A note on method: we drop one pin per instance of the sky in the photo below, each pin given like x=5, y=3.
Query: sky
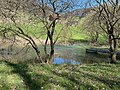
x=75, y=4
x=79, y=4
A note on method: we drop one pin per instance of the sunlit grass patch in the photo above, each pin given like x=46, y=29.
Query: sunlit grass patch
x=59, y=77
x=4, y=68
x=10, y=80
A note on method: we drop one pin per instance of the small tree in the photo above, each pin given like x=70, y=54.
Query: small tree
x=11, y=13
x=50, y=16
x=90, y=27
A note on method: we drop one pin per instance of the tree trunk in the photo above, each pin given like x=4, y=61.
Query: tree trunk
x=51, y=53
x=39, y=58
x=96, y=36
x=49, y=57
x=113, y=48
x=50, y=36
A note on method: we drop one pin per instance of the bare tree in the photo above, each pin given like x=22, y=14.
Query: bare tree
x=107, y=13
x=91, y=28
x=50, y=15
x=46, y=11
x=10, y=13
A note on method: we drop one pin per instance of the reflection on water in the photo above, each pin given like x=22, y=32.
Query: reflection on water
x=77, y=55
x=58, y=60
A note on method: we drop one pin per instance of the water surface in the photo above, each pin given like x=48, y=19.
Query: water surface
x=77, y=55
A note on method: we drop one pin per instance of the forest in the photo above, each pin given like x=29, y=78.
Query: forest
x=59, y=45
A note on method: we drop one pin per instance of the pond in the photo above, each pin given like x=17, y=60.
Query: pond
x=77, y=55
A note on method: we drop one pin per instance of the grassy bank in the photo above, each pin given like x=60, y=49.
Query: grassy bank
x=59, y=77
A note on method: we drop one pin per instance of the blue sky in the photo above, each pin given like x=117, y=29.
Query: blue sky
x=75, y=4
x=83, y=3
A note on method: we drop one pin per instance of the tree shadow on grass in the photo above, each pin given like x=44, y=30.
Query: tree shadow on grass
x=37, y=81
x=112, y=84
x=73, y=84
x=108, y=82
x=30, y=83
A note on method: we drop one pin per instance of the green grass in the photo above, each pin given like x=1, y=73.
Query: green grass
x=59, y=77
x=36, y=29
